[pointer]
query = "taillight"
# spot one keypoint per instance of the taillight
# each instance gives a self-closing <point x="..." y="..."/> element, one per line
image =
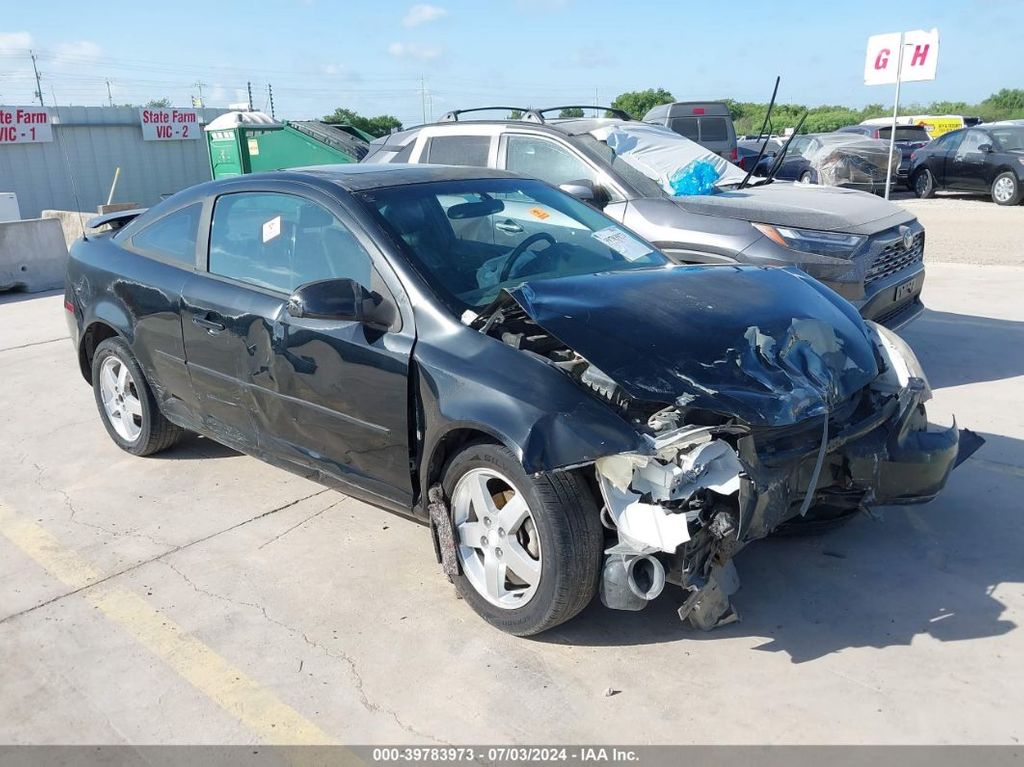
<point x="913" y="155"/>
<point x="69" y="307"/>
<point x="734" y="155"/>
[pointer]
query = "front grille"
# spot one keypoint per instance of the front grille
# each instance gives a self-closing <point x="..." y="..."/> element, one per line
<point x="894" y="258"/>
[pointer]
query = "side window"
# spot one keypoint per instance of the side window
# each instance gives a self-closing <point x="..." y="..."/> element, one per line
<point x="799" y="147"/>
<point x="457" y="150"/>
<point x="172" y="237"/>
<point x="971" y="142"/>
<point x="404" y="153"/>
<point x="280" y="241"/>
<point x="546" y="160"/>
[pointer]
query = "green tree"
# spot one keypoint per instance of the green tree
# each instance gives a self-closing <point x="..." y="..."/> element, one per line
<point x="1007" y="104"/>
<point x="571" y="112"/>
<point x="515" y="114"/>
<point x="158" y="103"/>
<point x="639" y="103"/>
<point x="380" y="125"/>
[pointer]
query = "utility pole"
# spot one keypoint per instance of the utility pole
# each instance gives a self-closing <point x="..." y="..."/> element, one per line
<point x="423" y="97"/>
<point x="248" y="86"/>
<point x="270" y="94"/>
<point x="39" y="86"/>
<point x="199" y="84"/>
<point x="110" y="98"/>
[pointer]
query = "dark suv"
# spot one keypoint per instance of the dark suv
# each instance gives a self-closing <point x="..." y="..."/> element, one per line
<point x="908" y="138"/>
<point x="988" y="158"/>
<point x="868" y="250"/>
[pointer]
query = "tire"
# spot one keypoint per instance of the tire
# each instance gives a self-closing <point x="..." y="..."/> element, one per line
<point x="1006" y="189"/>
<point x="819" y="520"/>
<point x="924" y="184"/>
<point x="560" y="533"/>
<point x="126" y="404"/>
<point x="806" y="177"/>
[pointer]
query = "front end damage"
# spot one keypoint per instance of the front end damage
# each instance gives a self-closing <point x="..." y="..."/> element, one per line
<point x="804" y="418"/>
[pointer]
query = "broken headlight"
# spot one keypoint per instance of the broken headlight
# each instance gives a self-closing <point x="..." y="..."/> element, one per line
<point x="834" y="244"/>
<point x="901" y="364"/>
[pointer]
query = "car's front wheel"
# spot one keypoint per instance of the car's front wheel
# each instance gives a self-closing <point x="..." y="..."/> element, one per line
<point x="1006" y="189"/>
<point x="126" y="403"/>
<point x="806" y="177"/>
<point x="924" y="184"/>
<point x="529" y="546"/>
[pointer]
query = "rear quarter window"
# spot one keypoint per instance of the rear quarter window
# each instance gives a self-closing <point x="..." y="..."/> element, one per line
<point x="457" y="150"/>
<point x="172" y="237"/>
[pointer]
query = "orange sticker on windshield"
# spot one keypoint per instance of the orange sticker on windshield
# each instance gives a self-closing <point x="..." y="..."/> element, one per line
<point x="540" y="213"/>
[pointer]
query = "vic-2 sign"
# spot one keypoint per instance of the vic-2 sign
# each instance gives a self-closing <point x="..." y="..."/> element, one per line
<point x="920" y="57"/>
<point x="169" y="124"/>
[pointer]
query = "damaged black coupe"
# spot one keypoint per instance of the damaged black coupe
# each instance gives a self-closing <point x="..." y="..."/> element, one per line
<point x="567" y="410"/>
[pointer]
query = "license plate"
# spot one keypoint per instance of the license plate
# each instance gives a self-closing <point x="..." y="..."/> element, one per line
<point x="905" y="290"/>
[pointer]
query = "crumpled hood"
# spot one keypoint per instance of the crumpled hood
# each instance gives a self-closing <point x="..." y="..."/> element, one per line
<point x="827" y="208"/>
<point x="769" y="346"/>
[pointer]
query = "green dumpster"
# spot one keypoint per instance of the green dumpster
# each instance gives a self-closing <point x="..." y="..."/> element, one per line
<point x="250" y="142"/>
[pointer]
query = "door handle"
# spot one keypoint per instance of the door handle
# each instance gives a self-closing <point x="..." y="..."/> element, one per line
<point x="211" y="326"/>
<point x="509" y="227"/>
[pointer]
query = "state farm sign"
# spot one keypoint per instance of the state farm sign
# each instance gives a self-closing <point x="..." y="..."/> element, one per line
<point x="169" y="124"/>
<point x="920" y="56"/>
<point x="25" y="125"/>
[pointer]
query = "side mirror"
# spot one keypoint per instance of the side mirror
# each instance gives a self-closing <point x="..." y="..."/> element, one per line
<point x="984" y="148"/>
<point x="586" y="191"/>
<point x="341" y="300"/>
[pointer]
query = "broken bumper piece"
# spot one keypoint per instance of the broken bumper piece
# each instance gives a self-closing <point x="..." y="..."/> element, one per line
<point x="683" y="510"/>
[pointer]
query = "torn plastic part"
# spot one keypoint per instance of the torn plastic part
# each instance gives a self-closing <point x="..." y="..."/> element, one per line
<point x="442" y="532"/>
<point x="901" y="364"/>
<point x="708" y="607"/>
<point x="626" y="479"/>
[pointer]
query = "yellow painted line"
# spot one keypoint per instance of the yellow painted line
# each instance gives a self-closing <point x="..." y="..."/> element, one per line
<point x="224" y="684"/>
<point x="1004" y="468"/>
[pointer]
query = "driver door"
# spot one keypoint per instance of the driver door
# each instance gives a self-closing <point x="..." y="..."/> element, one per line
<point x="967" y="165"/>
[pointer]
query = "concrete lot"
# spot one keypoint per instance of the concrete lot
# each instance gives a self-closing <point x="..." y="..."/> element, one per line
<point x="203" y="597"/>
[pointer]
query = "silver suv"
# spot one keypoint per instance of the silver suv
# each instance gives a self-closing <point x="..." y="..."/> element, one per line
<point x="868" y="250"/>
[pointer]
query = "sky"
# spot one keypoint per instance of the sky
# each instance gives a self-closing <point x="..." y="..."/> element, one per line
<point x="416" y="60"/>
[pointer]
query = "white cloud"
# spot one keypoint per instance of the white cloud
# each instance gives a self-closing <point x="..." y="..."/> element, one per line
<point x="423" y="13"/>
<point x="416" y="51"/>
<point x="15" y="42"/>
<point x="593" y="57"/>
<point x="333" y="69"/>
<point x="76" y="54"/>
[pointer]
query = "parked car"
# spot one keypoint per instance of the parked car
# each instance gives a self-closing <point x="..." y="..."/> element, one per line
<point x="751" y="156"/>
<point x="988" y="158"/>
<point x="708" y="123"/>
<point x="839" y="159"/>
<point x="868" y="250"/>
<point x="378" y="329"/>
<point x="908" y="138"/>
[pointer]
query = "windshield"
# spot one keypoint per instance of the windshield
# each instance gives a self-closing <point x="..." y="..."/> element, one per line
<point x="470" y="239"/>
<point x="1010" y="138"/>
<point x="661" y="154"/>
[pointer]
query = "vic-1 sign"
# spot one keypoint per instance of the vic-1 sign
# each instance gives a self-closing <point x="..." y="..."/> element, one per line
<point x="920" y="57"/>
<point x="169" y="124"/>
<point x="25" y="125"/>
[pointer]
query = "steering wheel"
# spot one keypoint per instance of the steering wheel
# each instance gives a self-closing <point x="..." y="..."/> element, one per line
<point x="520" y="249"/>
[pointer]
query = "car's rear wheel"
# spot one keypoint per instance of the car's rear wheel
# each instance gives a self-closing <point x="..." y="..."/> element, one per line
<point x="529" y="546"/>
<point x="1006" y="189"/>
<point x="126" y="403"/>
<point x="924" y="184"/>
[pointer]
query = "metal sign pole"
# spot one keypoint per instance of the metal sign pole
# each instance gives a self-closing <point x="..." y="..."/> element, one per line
<point x="895" y="111"/>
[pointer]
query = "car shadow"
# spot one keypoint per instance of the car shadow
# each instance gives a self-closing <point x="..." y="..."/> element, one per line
<point x="957" y="349"/>
<point x="16" y="294"/>
<point x="931" y="570"/>
<point x="196" y="447"/>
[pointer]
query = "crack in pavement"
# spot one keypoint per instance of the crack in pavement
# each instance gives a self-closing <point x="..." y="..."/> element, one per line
<point x="300" y="524"/>
<point x="33" y="343"/>
<point x="158" y="557"/>
<point x="357" y="678"/>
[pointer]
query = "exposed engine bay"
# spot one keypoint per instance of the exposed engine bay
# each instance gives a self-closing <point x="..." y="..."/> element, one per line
<point x="815" y="430"/>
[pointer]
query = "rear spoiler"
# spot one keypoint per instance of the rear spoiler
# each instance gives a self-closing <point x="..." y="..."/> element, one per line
<point x="115" y="220"/>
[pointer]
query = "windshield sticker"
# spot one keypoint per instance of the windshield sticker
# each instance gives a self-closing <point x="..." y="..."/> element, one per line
<point x="626" y="246"/>
<point x="540" y="213"/>
<point x="271" y="228"/>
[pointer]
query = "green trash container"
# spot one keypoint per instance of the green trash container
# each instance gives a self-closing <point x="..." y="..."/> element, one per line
<point x="250" y="142"/>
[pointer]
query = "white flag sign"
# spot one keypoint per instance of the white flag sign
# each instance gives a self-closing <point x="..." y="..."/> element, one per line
<point x="920" y="57"/>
